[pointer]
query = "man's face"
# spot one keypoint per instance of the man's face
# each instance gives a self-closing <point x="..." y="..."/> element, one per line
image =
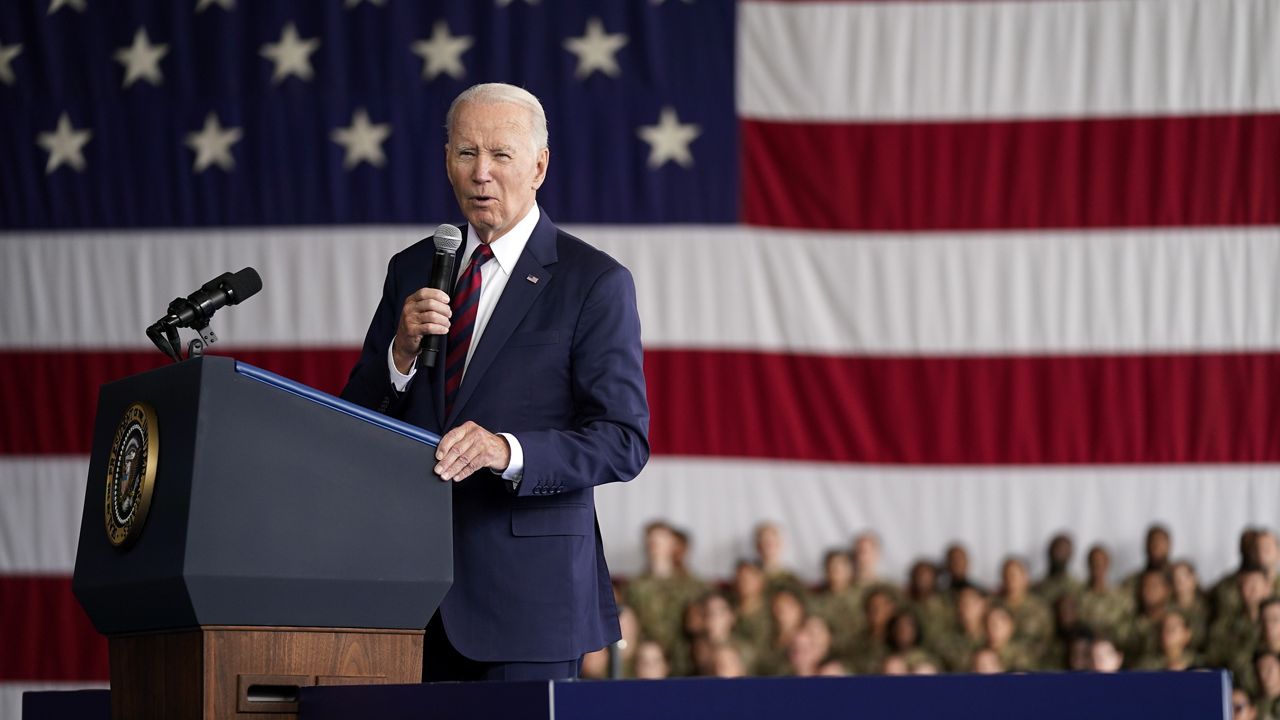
<point x="866" y="555"/>
<point x="1157" y="546"/>
<point x="839" y="570"/>
<point x="769" y="544"/>
<point x="1014" y="576"/>
<point x="660" y="544"/>
<point x="1268" y="552"/>
<point x="1099" y="562"/>
<point x="1154" y="590"/>
<point x="493" y="166"/>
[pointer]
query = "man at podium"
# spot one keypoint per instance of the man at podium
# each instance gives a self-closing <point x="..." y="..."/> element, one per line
<point x="539" y="396"/>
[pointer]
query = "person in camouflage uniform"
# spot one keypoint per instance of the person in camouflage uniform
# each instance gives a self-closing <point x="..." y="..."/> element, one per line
<point x="719" y="623"/>
<point x="1266" y="667"/>
<point x="660" y="595"/>
<point x="1140" y="634"/>
<point x="1175" y="651"/>
<point x="1158" y="545"/>
<point x="967" y="633"/>
<point x="905" y="640"/>
<point x="1102" y="607"/>
<point x="956" y="563"/>
<point x="1058" y="580"/>
<point x="1067" y="626"/>
<point x="1233" y="638"/>
<point x="1267" y="640"/>
<point x="1224" y="596"/>
<point x="1015" y="655"/>
<point x="838" y="603"/>
<point x="866" y="567"/>
<point x="872" y="645"/>
<point x="1189" y="600"/>
<point x="788" y="612"/>
<point x="926" y="603"/>
<point x="769" y="550"/>
<point x="751" y="606"/>
<point x="1032" y="619"/>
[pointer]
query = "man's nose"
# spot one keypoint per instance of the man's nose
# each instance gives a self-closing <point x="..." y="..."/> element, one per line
<point x="480" y="170"/>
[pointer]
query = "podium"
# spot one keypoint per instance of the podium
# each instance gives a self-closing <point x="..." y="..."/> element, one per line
<point x="245" y="536"/>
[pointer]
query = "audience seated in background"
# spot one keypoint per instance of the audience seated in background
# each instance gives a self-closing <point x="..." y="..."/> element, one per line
<point x="857" y="621"/>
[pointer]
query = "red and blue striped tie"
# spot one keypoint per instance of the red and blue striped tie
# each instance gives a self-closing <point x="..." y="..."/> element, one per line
<point x="465" y="301"/>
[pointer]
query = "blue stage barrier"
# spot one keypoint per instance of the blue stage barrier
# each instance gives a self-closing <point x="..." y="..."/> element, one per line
<point x="1201" y="695"/>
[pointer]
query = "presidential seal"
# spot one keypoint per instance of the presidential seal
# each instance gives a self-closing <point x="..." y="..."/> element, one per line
<point x="131" y="474"/>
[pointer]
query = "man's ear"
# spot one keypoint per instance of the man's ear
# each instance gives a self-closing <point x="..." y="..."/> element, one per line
<point x="540" y="174"/>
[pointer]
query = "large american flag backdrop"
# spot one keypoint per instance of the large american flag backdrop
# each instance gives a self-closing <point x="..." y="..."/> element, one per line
<point x="949" y="270"/>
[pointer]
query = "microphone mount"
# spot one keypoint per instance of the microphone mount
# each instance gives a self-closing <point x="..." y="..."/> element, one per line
<point x="196" y="310"/>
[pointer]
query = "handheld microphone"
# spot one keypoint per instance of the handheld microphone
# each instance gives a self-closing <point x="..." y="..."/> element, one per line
<point x="448" y="239"/>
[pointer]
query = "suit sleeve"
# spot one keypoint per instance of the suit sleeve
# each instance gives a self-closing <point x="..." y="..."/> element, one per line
<point x="370" y="382"/>
<point x="609" y="439"/>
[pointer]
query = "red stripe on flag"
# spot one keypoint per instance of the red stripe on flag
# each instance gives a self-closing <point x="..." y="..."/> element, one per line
<point x="51" y="410"/>
<point x="44" y="633"/>
<point x="967" y="410"/>
<point x="1126" y="172"/>
<point x="1204" y="408"/>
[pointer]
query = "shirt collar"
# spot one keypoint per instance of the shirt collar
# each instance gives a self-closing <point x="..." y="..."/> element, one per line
<point x="507" y="249"/>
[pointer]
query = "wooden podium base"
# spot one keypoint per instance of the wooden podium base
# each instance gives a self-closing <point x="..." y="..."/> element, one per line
<point x="250" y="673"/>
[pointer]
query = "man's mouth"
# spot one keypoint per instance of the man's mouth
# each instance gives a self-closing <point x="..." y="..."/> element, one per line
<point x="482" y="199"/>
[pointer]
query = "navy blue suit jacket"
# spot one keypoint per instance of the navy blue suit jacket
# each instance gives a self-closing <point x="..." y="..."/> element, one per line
<point x="559" y="366"/>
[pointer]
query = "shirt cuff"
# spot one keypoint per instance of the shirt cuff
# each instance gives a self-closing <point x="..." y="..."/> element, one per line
<point x="515" y="469"/>
<point x="399" y="379"/>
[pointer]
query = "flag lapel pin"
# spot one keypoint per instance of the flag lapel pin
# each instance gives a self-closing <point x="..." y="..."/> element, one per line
<point x="532" y="278"/>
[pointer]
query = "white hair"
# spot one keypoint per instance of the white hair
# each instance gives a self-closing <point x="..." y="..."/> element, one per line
<point x="496" y="93"/>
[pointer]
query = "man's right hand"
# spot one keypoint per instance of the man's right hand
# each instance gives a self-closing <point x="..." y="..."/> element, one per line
<point x="425" y="312"/>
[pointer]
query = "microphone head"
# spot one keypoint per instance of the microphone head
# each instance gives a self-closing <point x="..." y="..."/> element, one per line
<point x="242" y="285"/>
<point x="448" y="239"/>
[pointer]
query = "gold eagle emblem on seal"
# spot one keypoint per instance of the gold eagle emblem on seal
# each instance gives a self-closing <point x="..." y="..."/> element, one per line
<point x="131" y="474"/>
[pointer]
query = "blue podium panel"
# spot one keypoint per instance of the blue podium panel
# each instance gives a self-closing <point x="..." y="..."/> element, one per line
<point x="1123" y="696"/>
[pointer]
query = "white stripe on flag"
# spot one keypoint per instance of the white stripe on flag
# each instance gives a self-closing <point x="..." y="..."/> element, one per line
<point x="863" y="61"/>
<point x="40" y="514"/>
<point x="1157" y="290"/>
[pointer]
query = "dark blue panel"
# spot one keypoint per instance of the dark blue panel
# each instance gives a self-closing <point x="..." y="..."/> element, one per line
<point x="287" y="168"/>
<point x="79" y="704"/>
<point x="1061" y="696"/>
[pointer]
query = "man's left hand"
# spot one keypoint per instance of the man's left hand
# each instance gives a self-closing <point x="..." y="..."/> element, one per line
<point x="468" y="448"/>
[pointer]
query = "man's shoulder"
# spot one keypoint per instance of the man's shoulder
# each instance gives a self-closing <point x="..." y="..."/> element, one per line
<point x="582" y="254"/>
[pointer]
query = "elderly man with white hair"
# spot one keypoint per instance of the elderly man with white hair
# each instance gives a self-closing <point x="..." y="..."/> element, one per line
<point x="540" y="397"/>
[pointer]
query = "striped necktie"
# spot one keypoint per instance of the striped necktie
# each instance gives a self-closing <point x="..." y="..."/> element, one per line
<point x="465" y="301"/>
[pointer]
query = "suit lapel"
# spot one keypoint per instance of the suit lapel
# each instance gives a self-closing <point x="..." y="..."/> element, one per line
<point x="517" y="297"/>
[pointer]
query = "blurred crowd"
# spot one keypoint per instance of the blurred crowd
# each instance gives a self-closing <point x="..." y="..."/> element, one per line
<point x="765" y="621"/>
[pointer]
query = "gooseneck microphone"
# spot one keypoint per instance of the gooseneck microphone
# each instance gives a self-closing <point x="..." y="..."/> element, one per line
<point x="448" y="239"/>
<point x="195" y="310"/>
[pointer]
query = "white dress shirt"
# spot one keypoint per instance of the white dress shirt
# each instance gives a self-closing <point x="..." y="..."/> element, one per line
<point x="494" y="275"/>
